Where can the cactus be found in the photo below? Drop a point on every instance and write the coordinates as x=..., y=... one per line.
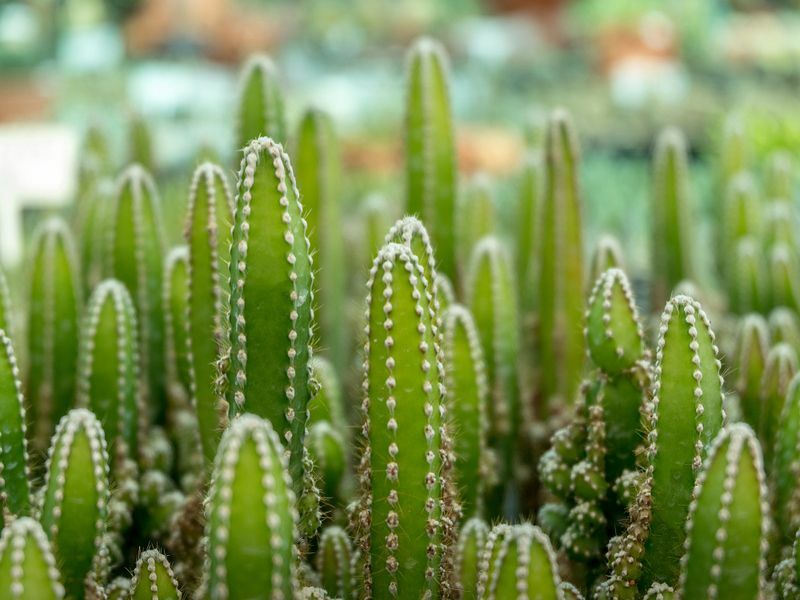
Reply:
x=260, y=108
x=405, y=515
x=14, y=486
x=784, y=327
x=27, y=567
x=784, y=273
x=474, y=221
x=92, y=232
x=431, y=171
x=251, y=516
x=786, y=466
x=492, y=300
x=518, y=562
x=560, y=273
x=272, y=299
x=327, y=451
x=787, y=578
x=471, y=542
x=94, y=163
x=734, y=151
x=741, y=216
x=672, y=218
x=153, y=578
x=529, y=199
x=327, y=403
x=318, y=170
x=781, y=366
x=748, y=288
x=140, y=142
x=465, y=382
x=334, y=563
x=607, y=255
x=176, y=313
x=54, y=305
x=75, y=496
x=136, y=254
x=779, y=177
x=751, y=360
x=377, y=216
x=726, y=531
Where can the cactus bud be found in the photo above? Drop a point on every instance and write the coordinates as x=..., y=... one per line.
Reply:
x=27, y=567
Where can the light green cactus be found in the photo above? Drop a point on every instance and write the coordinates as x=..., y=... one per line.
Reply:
x=14, y=485
x=260, y=105
x=54, y=305
x=94, y=163
x=751, y=360
x=475, y=219
x=784, y=327
x=780, y=368
x=787, y=574
x=779, y=176
x=176, y=313
x=784, y=275
x=27, y=567
x=607, y=255
x=92, y=233
x=529, y=200
x=140, y=142
x=74, y=500
x=779, y=225
x=5, y=306
x=471, y=541
x=431, y=171
x=377, y=215
x=786, y=466
x=748, y=283
x=335, y=564
x=153, y=578
x=327, y=403
x=328, y=452
x=251, y=516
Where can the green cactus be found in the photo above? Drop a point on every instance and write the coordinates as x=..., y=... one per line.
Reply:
x=728, y=523
x=444, y=292
x=467, y=395
x=784, y=274
x=94, y=163
x=92, y=232
x=779, y=176
x=327, y=450
x=780, y=367
x=471, y=542
x=560, y=270
x=751, y=360
x=607, y=255
x=54, y=306
x=377, y=216
x=335, y=564
x=207, y=233
x=108, y=376
x=118, y=589
x=140, y=142
x=153, y=578
x=779, y=225
x=261, y=106
x=431, y=171
x=672, y=217
x=741, y=218
x=318, y=170
x=272, y=299
x=14, y=486
x=405, y=515
x=786, y=465
x=748, y=286
x=474, y=221
x=734, y=151
x=75, y=496
x=176, y=313
x=529, y=200
x=518, y=562
x=27, y=567
x=251, y=516
x=136, y=255
x=327, y=403
x=784, y=327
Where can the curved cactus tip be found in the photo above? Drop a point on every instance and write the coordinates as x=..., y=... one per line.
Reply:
x=27, y=566
x=334, y=562
x=672, y=138
x=469, y=549
x=406, y=231
x=615, y=339
x=426, y=45
x=153, y=578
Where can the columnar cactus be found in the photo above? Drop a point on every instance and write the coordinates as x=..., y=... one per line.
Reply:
x=405, y=515
x=784, y=327
x=728, y=523
x=207, y=233
x=467, y=395
x=176, y=312
x=251, y=516
x=54, y=306
x=780, y=367
x=734, y=151
x=471, y=542
x=140, y=142
x=27, y=567
x=672, y=224
x=108, y=375
x=14, y=486
x=260, y=108
x=92, y=233
x=518, y=562
x=431, y=171
x=136, y=255
x=75, y=496
x=475, y=220
x=529, y=199
x=751, y=360
x=335, y=564
x=318, y=170
x=377, y=216
x=748, y=284
x=272, y=300
x=327, y=403
x=560, y=270
x=786, y=465
x=784, y=274
x=327, y=450
x=94, y=163
x=153, y=578
x=741, y=217
x=779, y=177
x=607, y=255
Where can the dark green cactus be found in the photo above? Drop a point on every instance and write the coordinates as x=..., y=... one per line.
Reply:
x=54, y=306
x=153, y=578
x=327, y=450
x=176, y=313
x=529, y=200
x=560, y=271
x=474, y=221
x=780, y=367
x=335, y=565
x=751, y=360
x=251, y=516
x=471, y=542
x=261, y=105
x=208, y=234
x=27, y=567
x=136, y=255
x=405, y=515
x=728, y=523
x=75, y=497
x=14, y=486
x=431, y=170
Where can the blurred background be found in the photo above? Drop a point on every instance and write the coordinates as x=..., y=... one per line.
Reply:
x=159, y=78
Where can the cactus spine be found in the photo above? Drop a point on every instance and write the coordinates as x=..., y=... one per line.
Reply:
x=14, y=486
x=75, y=497
x=335, y=564
x=153, y=578
x=260, y=110
x=431, y=170
x=176, y=312
x=54, y=305
x=251, y=524
x=27, y=567
x=561, y=291
x=471, y=542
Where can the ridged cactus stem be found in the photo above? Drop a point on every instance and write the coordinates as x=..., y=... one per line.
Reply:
x=529, y=200
x=14, y=486
x=475, y=220
x=261, y=105
x=786, y=467
x=751, y=359
x=176, y=330
x=471, y=542
x=153, y=578
x=335, y=564
x=780, y=368
x=27, y=567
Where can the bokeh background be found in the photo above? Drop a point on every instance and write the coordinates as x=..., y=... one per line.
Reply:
x=169, y=68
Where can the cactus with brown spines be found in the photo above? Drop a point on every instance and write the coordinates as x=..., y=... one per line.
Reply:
x=475, y=219
x=471, y=541
x=335, y=564
x=153, y=578
x=529, y=198
x=260, y=110
x=752, y=346
x=54, y=306
x=176, y=312
x=27, y=567
x=780, y=368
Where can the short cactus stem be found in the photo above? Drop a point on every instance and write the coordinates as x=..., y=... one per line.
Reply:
x=153, y=578
x=471, y=541
x=14, y=486
x=272, y=300
x=75, y=498
x=607, y=255
x=560, y=274
x=261, y=104
x=108, y=376
x=475, y=220
x=431, y=173
x=411, y=233
x=54, y=308
x=136, y=258
x=327, y=451
x=786, y=466
x=518, y=562
x=728, y=523
x=751, y=359
x=335, y=565
x=252, y=520
x=780, y=368
x=672, y=224
x=467, y=395
x=529, y=199
x=27, y=567
x=405, y=514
